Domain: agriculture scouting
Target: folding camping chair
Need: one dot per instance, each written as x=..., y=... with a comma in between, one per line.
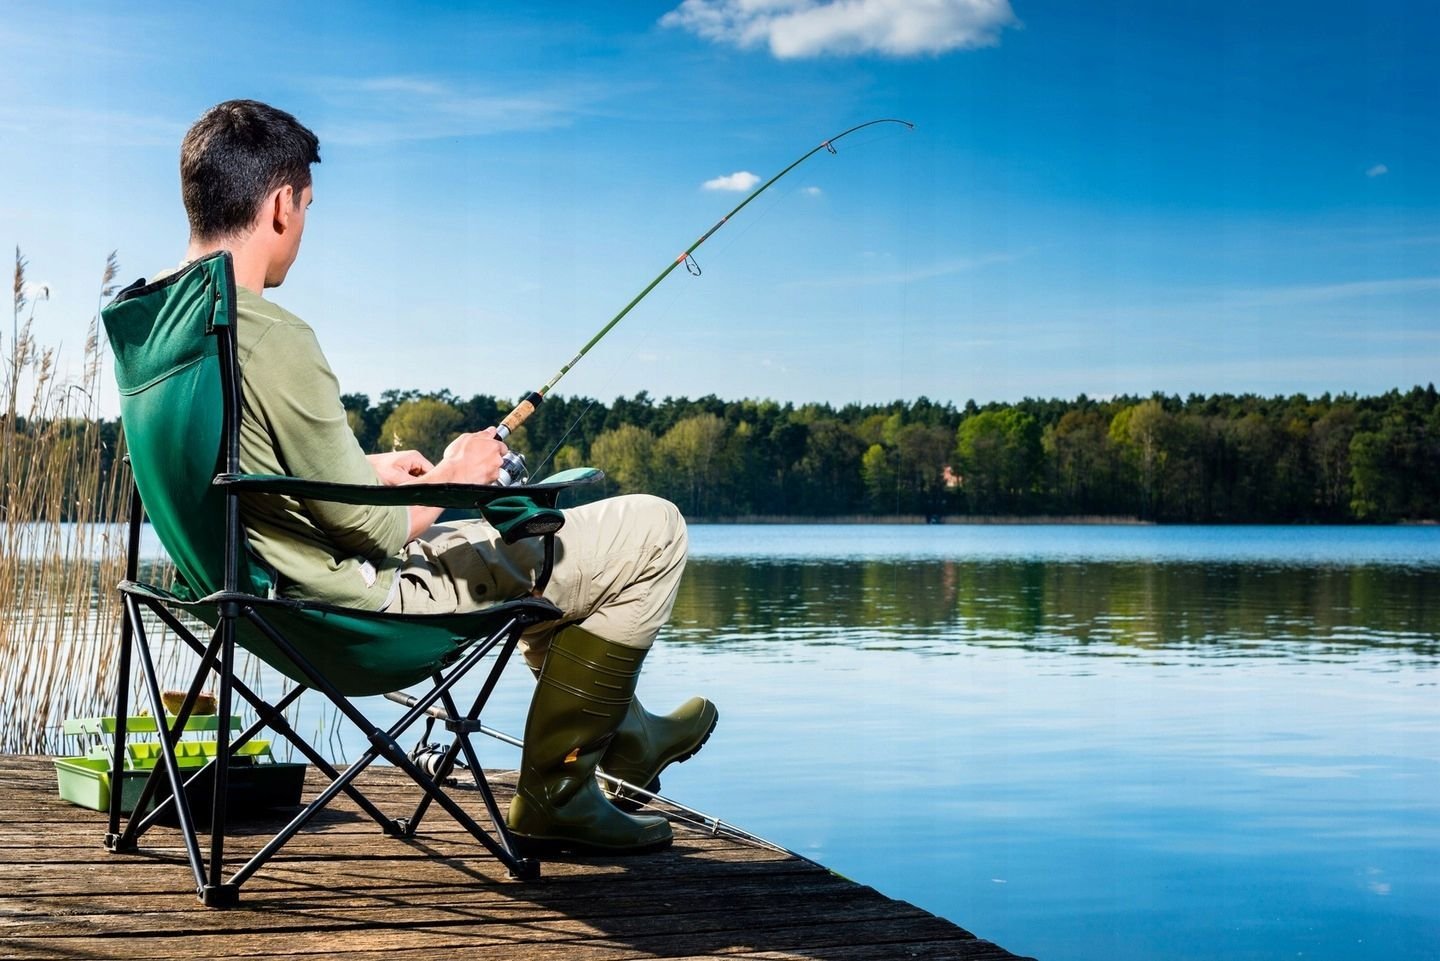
x=177, y=370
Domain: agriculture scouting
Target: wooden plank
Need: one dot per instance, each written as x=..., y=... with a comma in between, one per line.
x=344, y=890
x=775, y=929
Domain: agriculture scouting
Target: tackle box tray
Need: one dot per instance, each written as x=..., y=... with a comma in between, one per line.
x=257, y=781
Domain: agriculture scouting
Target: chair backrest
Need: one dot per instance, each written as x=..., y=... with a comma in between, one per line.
x=175, y=365
x=167, y=339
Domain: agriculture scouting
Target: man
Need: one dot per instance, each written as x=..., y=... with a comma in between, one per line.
x=245, y=177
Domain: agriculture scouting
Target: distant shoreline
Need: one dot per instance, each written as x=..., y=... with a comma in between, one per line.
x=922, y=519
x=1021, y=520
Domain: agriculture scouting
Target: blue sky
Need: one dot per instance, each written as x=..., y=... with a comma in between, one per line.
x=1098, y=198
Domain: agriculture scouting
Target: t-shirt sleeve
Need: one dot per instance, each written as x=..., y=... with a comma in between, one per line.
x=290, y=386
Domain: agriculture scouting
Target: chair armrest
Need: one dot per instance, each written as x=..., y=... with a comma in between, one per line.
x=430, y=495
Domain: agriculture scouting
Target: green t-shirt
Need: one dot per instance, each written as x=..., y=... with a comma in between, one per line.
x=292, y=422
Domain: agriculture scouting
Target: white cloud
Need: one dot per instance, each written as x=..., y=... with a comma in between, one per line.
x=812, y=191
x=813, y=28
x=1379, y=170
x=738, y=181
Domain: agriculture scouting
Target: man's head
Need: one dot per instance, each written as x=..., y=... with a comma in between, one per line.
x=245, y=177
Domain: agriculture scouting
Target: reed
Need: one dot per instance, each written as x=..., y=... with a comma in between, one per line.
x=61, y=533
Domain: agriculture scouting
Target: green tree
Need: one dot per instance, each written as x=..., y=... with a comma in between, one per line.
x=827, y=479
x=999, y=454
x=1082, y=462
x=878, y=469
x=424, y=424
x=1375, y=485
x=921, y=453
x=1138, y=431
x=626, y=455
x=694, y=463
x=1330, y=438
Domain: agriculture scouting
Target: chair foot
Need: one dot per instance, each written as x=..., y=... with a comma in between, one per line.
x=219, y=895
x=400, y=828
x=526, y=869
x=117, y=844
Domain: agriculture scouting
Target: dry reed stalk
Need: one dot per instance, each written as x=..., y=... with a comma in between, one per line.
x=59, y=555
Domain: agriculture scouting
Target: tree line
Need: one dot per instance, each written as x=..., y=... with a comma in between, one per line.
x=1203, y=459
x=1200, y=459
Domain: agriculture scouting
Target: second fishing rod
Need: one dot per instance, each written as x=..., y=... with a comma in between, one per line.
x=513, y=470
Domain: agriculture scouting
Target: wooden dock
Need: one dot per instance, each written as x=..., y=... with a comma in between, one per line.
x=343, y=890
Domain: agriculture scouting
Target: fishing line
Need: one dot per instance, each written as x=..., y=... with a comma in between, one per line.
x=428, y=756
x=514, y=465
x=671, y=294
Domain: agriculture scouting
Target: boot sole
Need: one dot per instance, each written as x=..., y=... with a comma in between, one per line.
x=542, y=847
x=627, y=803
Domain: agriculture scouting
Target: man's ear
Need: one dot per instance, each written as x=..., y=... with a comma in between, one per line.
x=282, y=207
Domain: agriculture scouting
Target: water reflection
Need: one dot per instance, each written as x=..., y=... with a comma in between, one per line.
x=939, y=606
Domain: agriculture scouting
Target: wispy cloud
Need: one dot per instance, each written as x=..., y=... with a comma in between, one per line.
x=91, y=127
x=1379, y=170
x=812, y=191
x=391, y=109
x=739, y=181
x=1327, y=293
x=944, y=268
x=811, y=28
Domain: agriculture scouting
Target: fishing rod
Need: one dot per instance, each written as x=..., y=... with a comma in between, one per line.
x=513, y=467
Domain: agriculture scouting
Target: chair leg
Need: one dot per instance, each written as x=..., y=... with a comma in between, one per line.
x=114, y=841
x=167, y=756
x=216, y=893
x=140, y=822
x=270, y=716
x=212, y=887
x=384, y=743
x=463, y=727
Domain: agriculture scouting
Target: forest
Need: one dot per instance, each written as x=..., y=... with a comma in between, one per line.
x=1199, y=459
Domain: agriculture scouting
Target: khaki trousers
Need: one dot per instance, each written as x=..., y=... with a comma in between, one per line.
x=617, y=567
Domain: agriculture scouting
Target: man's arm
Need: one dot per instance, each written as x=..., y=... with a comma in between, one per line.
x=470, y=459
x=295, y=416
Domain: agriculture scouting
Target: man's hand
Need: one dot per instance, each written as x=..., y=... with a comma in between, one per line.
x=473, y=458
x=470, y=459
x=400, y=467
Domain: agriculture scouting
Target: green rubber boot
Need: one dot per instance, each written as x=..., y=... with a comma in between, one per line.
x=584, y=691
x=646, y=744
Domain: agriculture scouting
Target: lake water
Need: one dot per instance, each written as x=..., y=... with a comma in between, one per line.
x=1086, y=742
x=1079, y=742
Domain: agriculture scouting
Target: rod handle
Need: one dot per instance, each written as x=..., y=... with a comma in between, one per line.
x=520, y=414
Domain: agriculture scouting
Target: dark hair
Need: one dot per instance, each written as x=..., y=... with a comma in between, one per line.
x=234, y=156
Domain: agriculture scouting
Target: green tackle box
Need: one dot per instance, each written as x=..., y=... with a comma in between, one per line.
x=257, y=781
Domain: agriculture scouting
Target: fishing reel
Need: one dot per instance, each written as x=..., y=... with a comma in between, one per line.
x=512, y=470
x=512, y=465
x=430, y=758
